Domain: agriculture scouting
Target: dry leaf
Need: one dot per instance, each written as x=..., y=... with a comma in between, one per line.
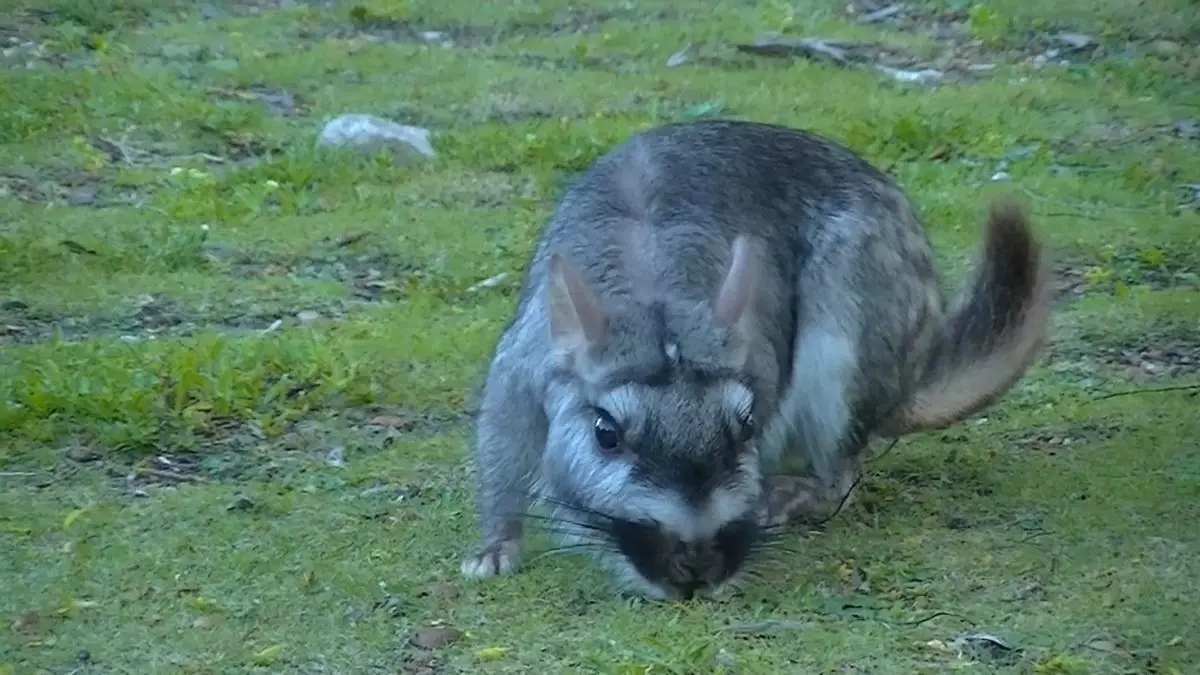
x=72, y=517
x=48, y=642
x=492, y=653
x=267, y=656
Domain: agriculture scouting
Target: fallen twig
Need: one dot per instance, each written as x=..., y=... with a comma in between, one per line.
x=935, y=615
x=766, y=627
x=841, y=54
x=807, y=47
x=351, y=238
x=882, y=14
x=171, y=475
x=16, y=474
x=1153, y=390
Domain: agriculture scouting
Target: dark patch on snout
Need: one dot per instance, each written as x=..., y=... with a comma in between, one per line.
x=687, y=566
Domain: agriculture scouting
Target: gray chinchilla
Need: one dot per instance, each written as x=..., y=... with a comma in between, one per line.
x=718, y=308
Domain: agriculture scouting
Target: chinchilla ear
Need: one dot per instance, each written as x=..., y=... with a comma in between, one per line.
x=737, y=290
x=576, y=320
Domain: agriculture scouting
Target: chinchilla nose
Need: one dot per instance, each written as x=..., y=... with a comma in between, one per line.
x=694, y=565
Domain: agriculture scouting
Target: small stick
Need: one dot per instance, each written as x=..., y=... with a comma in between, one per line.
x=1131, y=392
x=171, y=475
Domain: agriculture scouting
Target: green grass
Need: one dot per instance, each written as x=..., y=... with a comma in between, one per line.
x=236, y=374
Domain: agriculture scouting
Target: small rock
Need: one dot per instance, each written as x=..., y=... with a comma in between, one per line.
x=432, y=638
x=724, y=659
x=490, y=282
x=924, y=76
x=956, y=522
x=1075, y=41
x=369, y=134
x=679, y=58
x=83, y=195
x=82, y=454
x=1166, y=48
x=336, y=457
x=240, y=503
x=983, y=645
x=1000, y=176
x=375, y=490
x=1188, y=128
x=308, y=316
x=83, y=656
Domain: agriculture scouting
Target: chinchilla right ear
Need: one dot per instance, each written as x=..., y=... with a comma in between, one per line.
x=734, y=297
x=577, y=322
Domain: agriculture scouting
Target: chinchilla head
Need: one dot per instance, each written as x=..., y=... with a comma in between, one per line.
x=651, y=457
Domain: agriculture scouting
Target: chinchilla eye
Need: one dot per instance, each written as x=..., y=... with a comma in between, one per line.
x=608, y=434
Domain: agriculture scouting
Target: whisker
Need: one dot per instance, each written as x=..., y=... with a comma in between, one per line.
x=555, y=519
x=577, y=508
x=561, y=550
x=575, y=534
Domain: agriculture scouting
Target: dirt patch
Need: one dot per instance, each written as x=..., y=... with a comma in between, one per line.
x=277, y=101
x=48, y=185
x=1116, y=135
x=1148, y=358
x=147, y=317
x=609, y=64
x=980, y=41
x=1077, y=274
x=1054, y=439
x=1070, y=283
x=363, y=24
x=374, y=277
x=947, y=26
x=238, y=451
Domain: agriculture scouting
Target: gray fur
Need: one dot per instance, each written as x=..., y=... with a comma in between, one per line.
x=839, y=335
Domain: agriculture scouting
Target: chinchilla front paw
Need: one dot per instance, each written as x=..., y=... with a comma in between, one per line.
x=496, y=559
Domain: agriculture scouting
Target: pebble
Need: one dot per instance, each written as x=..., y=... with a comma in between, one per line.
x=369, y=135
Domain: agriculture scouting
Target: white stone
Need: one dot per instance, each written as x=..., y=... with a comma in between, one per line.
x=369, y=134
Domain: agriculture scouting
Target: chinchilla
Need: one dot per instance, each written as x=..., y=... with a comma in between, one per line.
x=717, y=309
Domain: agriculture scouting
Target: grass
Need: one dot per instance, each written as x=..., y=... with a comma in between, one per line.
x=237, y=373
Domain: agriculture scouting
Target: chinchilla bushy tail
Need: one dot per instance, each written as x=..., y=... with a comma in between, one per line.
x=990, y=335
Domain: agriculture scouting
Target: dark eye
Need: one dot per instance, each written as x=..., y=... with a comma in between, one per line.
x=608, y=434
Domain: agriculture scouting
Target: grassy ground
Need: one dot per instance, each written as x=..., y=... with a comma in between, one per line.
x=189, y=485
